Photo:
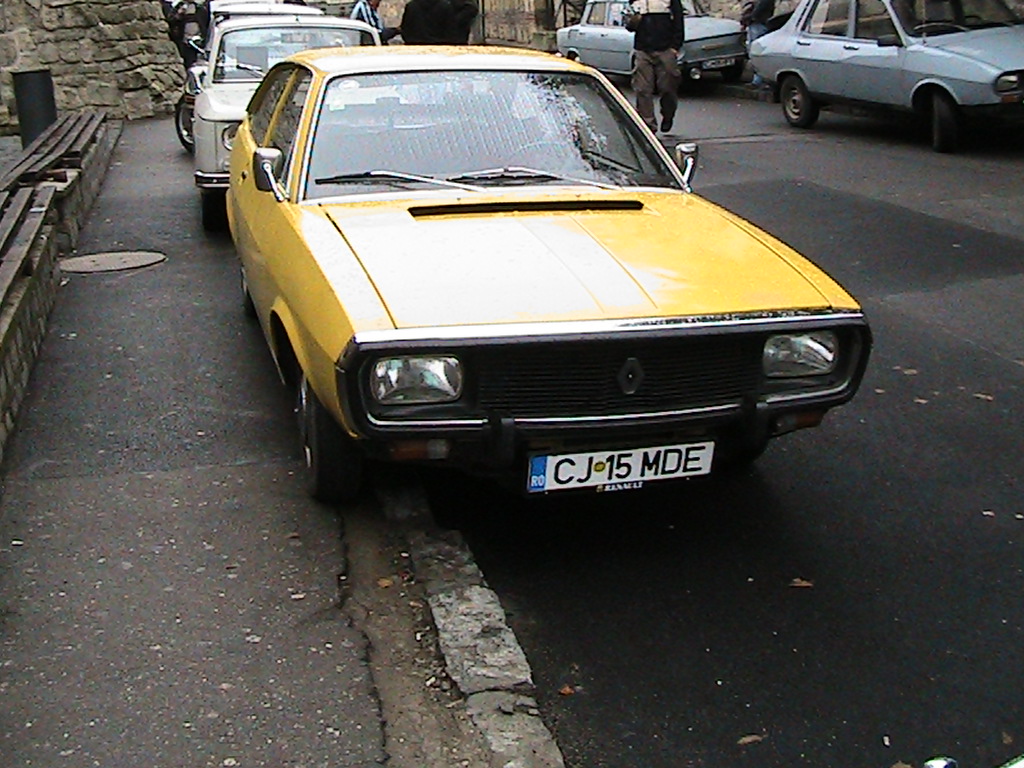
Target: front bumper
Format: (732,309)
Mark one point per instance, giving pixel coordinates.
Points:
(208,180)
(559,391)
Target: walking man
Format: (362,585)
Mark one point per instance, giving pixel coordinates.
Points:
(657,27)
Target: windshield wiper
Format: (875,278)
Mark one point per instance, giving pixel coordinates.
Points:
(516,173)
(385,175)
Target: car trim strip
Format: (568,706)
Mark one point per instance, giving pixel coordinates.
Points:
(590,327)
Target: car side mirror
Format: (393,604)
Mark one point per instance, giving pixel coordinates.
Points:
(267,164)
(890,41)
(685,156)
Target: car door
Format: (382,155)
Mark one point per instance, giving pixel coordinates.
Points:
(818,50)
(875,56)
(618,41)
(588,39)
(263,225)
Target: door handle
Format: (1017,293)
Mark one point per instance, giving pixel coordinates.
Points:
(803,43)
(851,47)
(245,175)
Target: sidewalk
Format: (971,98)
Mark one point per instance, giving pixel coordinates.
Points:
(168,597)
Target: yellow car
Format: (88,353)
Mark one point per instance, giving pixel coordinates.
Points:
(481,257)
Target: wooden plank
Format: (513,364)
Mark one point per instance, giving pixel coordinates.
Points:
(85,137)
(16,260)
(12,217)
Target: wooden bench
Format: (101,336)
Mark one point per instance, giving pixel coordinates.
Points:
(61,146)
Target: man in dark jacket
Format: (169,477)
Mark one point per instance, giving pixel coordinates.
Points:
(657,38)
(438,22)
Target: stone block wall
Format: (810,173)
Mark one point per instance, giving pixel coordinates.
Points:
(108,54)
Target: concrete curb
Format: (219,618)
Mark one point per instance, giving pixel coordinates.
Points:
(481,653)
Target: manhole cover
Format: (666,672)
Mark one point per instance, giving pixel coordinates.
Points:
(112,261)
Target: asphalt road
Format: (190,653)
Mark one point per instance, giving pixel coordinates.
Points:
(855,600)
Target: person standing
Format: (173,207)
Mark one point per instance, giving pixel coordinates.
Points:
(438,22)
(367,11)
(756,22)
(657,27)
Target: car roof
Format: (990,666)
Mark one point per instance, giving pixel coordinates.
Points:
(402,58)
(280,20)
(235,8)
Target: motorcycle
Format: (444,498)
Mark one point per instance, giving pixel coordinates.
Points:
(185,106)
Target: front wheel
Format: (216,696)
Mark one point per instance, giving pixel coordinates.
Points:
(945,123)
(334,466)
(183,123)
(800,109)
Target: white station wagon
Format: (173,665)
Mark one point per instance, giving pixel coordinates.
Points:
(601,40)
(946,60)
(242,50)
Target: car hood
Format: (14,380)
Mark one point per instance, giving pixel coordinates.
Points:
(224,102)
(572,257)
(1001,48)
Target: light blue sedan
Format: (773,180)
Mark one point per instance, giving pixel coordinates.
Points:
(601,40)
(945,60)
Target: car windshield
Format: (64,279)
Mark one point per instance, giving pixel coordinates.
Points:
(940,17)
(478,129)
(247,54)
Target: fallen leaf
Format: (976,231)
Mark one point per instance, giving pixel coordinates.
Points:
(385,582)
(1007,739)
(988,513)
(901,764)
(983,396)
(752,738)
(798,582)
(566,690)
(920,400)
(910,371)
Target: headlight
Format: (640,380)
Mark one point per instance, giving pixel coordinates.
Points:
(227,136)
(411,380)
(1011,81)
(800,354)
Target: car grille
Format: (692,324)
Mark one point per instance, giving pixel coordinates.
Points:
(585,380)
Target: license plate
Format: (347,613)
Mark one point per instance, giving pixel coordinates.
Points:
(718,63)
(618,470)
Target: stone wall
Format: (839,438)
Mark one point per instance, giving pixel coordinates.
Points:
(107,54)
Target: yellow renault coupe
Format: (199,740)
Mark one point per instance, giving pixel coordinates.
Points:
(481,257)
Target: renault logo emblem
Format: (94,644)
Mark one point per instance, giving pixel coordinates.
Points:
(631,376)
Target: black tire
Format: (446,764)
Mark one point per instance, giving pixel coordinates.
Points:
(214,210)
(183,124)
(734,73)
(800,110)
(945,123)
(334,466)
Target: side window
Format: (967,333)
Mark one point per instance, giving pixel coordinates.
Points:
(286,127)
(873,20)
(830,17)
(263,102)
(598,14)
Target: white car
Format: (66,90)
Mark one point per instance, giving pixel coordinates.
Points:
(241,51)
(601,40)
(221,10)
(946,60)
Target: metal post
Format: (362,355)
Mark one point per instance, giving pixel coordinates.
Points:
(33,97)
